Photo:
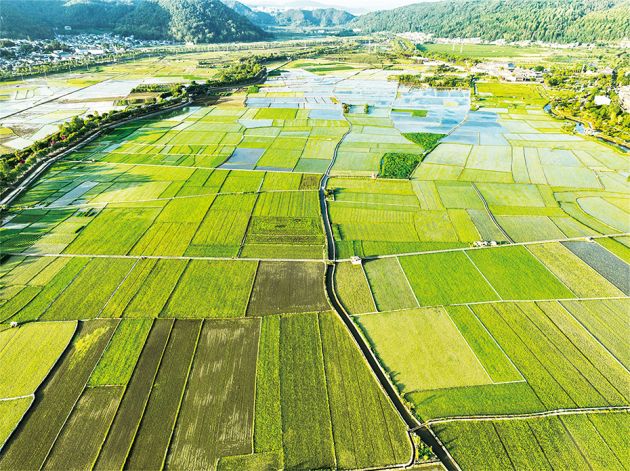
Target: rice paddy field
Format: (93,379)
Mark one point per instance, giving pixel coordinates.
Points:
(168,286)
(33,108)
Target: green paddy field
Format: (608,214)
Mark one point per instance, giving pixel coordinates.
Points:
(168,285)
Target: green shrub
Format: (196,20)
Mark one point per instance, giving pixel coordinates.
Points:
(426,140)
(399,165)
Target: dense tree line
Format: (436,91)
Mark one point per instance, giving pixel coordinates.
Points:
(13,165)
(183,20)
(511,20)
(437,80)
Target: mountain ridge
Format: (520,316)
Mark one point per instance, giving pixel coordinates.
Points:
(181,20)
(296,17)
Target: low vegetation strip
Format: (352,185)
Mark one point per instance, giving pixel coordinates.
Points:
(561,375)
(352,288)
(156,427)
(516,274)
(32,441)
(284,287)
(268,418)
(367,430)
(155,291)
(586,342)
(87,426)
(220,391)
(30,354)
(51,291)
(305,407)
(604,262)
(577,275)
(80,300)
(444,350)
(584,441)
(389,285)
(121,355)
(608,326)
(496,363)
(116,446)
(435,281)
(212,288)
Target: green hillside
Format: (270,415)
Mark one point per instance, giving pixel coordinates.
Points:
(183,20)
(512,20)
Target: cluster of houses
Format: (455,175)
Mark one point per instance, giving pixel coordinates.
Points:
(509,72)
(15,54)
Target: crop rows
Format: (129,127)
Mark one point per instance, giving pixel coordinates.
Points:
(579,441)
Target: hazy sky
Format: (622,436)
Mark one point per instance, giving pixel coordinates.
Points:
(352,5)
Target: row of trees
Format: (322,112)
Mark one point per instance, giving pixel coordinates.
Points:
(437,80)
(13,165)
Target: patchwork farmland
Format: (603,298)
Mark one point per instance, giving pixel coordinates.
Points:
(235,286)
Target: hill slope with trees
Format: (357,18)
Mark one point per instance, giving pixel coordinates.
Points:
(182,20)
(323,17)
(511,20)
(296,17)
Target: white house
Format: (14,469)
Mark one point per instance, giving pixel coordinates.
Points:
(602,100)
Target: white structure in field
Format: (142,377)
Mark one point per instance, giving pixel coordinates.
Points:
(602,100)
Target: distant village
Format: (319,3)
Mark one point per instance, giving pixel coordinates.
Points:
(18,54)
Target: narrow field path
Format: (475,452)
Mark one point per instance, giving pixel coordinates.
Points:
(413,425)
(551,413)
(462,249)
(160,257)
(494,220)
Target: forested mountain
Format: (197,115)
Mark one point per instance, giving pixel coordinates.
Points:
(322,17)
(609,24)
(259,18)
(183,20)
(512,20)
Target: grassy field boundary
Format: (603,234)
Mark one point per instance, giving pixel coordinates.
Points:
(548,413)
